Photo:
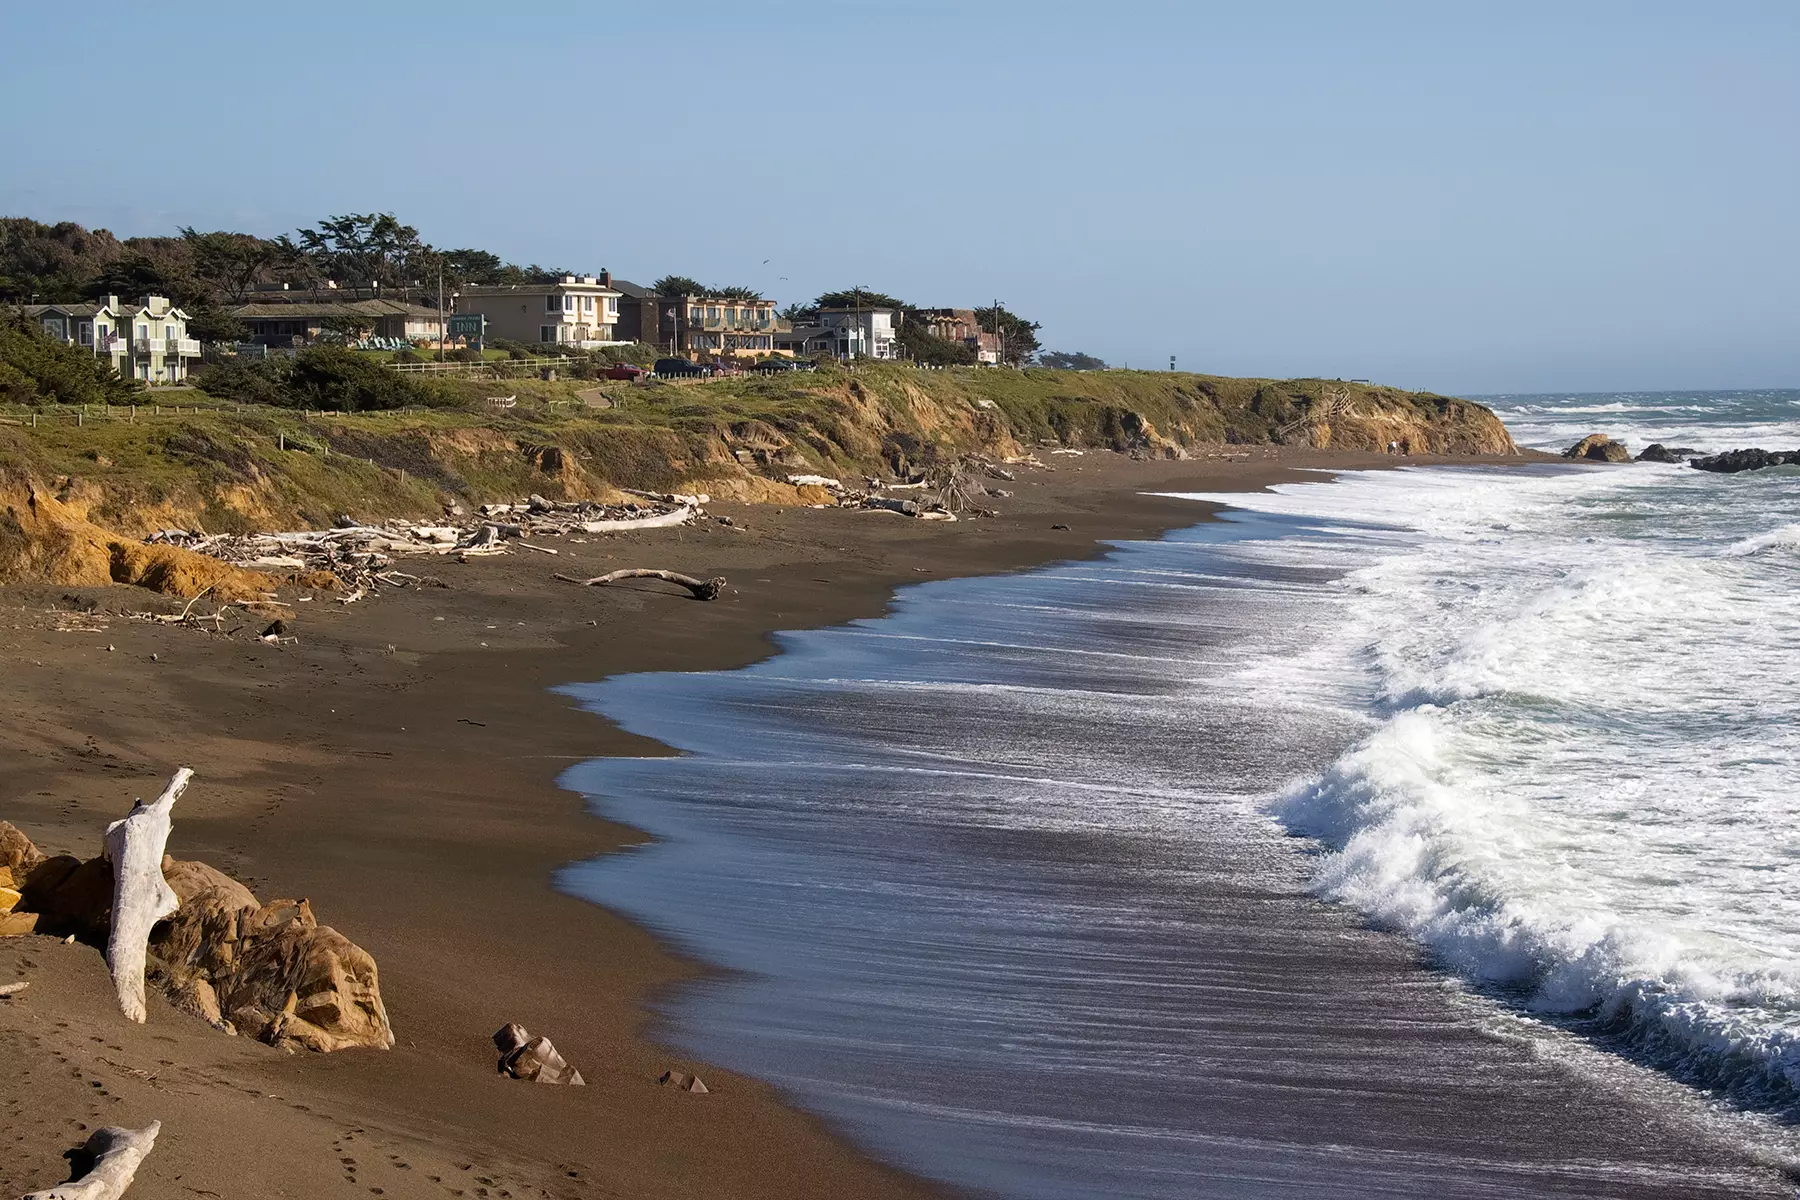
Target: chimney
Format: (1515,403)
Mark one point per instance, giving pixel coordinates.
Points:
(605,278)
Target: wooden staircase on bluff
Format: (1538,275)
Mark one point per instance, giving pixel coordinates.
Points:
(1334,403)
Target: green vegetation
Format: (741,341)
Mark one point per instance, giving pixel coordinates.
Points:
(1070,361)
(38,369)
(328,378)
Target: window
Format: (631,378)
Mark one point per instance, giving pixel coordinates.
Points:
(568,304)
(612,305)
(694,314)
(550,304)
(169,332)
(86,333)
(587,304)
(546,333)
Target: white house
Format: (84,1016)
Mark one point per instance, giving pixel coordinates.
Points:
(863,332)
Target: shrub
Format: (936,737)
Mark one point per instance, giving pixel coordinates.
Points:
(36,368)
(324,377)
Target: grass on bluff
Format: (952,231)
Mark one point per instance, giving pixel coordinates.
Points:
(248,465)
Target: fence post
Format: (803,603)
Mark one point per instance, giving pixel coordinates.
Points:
(80,415)
(132,419)
(281,441)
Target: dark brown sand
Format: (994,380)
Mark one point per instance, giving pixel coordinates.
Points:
(397,767)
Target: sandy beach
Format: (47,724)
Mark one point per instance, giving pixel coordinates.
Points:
(396,766)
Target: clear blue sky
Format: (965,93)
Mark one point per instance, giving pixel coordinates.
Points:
(1471,198)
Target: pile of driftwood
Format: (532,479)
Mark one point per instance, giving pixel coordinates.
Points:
(362,555)
(936,493)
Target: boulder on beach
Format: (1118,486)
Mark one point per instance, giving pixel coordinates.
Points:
(270,971)
(17,855)
(1597,447)
(682,1081)
(533,1058)
(1733,461)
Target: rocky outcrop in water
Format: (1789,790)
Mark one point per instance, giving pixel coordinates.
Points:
(1597,447)
(1658,453)
(1733,461)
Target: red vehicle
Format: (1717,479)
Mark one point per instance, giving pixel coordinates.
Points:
(623,371)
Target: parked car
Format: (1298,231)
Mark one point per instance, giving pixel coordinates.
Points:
(774,366)
(679,367)
(623,371)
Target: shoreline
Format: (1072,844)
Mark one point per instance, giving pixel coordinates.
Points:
(394,768)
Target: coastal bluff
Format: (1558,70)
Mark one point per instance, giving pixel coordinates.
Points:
(77,492)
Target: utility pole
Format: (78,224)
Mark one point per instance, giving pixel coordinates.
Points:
(440,267)
(999,333)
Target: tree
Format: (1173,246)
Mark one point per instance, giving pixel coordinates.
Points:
(349,326)
(797,313)
(673,287)
(1070,361)
(923,346)
(37,368)
(366,249)
(230,264)
(861,298)
(1018,336)
(736,293)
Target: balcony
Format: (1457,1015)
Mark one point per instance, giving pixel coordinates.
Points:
(111,345)
(149,345)
(185,347)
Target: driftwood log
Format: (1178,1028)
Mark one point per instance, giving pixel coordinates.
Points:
(141,896)
(114,1154)
(703,589)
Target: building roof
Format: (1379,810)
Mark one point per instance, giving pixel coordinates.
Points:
(636,291)
(67,310)
(366,308)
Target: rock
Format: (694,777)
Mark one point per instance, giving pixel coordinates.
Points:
(1597,447)
(1657,452)
(270,971)
(1733,461)
(17,854)
(14,924)
(8,991)
(267,970)
(682,1080)
(277,628)
(9,899)
(533,1058)
(70,896)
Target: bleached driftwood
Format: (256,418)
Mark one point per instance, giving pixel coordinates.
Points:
(703,589)
(116,1154)
(680,516)
(141,896)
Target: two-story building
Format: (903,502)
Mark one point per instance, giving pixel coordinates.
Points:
(961,325)
(576,310)
(863,332)
(705,326)
(147,341)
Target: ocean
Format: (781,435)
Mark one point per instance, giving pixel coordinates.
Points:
(1418,832)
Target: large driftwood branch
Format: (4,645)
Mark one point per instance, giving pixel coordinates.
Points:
(703,589)
(141,897)
(115,1154)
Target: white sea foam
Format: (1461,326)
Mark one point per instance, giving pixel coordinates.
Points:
(1578,784)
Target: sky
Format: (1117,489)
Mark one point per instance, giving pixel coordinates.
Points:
(1519,197)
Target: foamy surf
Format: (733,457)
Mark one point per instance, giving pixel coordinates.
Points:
(1579,791)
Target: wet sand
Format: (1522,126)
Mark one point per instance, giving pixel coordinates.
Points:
(397,767)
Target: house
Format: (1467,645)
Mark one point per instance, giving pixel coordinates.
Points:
(806,341)
(145,341)
(576,310)
(707,326)
(276,320)
(862,332)
(961,325)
